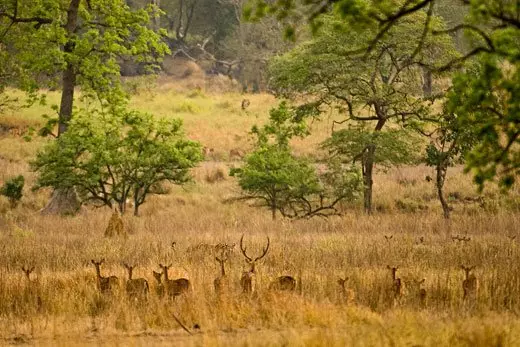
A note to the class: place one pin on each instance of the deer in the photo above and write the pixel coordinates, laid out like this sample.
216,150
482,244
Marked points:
105,284
470,283
248,279
159,288
174,287
138,287
33,288
283,283
221,283
418,293
397,285
245,104
347,295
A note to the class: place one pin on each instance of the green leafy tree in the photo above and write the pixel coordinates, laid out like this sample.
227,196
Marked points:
381,89
13,190
449,145
287,184
493,29
109,157
75,43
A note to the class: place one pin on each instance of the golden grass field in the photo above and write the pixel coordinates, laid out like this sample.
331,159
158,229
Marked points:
61,306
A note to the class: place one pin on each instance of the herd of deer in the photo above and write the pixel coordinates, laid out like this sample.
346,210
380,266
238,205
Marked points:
139,288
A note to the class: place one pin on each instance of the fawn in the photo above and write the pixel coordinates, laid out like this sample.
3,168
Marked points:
105,284
174,287
470,283
221,283
33,287
137,287
248,279
418,294
347,295
397,284
285,283
159,288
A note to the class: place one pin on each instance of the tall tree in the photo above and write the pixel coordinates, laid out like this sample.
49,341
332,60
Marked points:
381,88
79,44
494,29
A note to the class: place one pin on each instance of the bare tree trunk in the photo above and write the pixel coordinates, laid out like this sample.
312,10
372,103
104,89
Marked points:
441,170
427,82
368,168
156,19
65,201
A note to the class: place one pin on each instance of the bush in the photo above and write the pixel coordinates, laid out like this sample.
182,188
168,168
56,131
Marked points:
13,190
110,157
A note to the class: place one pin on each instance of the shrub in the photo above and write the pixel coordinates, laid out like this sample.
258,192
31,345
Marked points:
13,190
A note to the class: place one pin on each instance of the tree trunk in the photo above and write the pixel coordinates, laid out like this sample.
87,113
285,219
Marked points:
368,168
427,82
439,183
65,201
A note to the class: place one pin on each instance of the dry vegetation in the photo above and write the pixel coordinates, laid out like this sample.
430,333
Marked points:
59,303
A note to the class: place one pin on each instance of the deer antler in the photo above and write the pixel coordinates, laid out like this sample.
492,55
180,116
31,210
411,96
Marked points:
264,250
243,249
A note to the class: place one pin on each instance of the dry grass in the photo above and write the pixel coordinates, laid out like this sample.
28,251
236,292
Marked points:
60,305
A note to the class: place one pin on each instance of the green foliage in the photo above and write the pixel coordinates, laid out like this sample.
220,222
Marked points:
283,125
287,184
393,147
488,100
13,189
107,31
114,155
486,96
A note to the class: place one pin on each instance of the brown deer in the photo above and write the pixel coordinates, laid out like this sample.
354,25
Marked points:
105,284
470,283
174,287
33,287
221,283
283,283
245,104
138,287
418,294
397,284
248,279
159,288
347,295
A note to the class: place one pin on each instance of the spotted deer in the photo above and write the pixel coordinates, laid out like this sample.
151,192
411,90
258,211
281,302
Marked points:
283,283
347,295
417,294
470,283
105,284
248,279
138,287
174,287
221,283
33,288
397,284
159,287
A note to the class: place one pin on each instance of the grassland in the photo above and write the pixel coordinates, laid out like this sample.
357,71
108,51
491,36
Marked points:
61,306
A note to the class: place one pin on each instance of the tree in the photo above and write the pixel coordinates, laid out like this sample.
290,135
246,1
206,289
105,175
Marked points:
494,29
109,157
450,143
289,185
80,42
381,89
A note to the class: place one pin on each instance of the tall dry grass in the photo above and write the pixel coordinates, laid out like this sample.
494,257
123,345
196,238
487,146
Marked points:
60,304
